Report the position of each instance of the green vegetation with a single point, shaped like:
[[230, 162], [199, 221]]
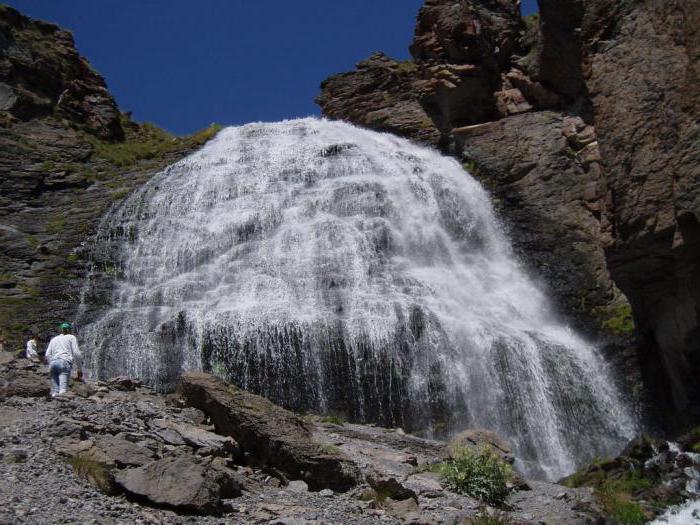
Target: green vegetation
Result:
[[480, 474], [145, 142], [406, 66], [93, 471], [614, 494], [56, 225], [531, 20], [499, 518], [620, 320], [335, 419]]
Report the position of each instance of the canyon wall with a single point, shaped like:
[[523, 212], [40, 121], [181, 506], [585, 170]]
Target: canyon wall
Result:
[[582, 122]]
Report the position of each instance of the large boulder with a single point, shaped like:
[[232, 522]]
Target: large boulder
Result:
[[270, 435], [23, 383], [186, 484]]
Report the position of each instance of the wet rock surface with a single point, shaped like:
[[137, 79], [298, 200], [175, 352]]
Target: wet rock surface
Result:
[[100, 457]]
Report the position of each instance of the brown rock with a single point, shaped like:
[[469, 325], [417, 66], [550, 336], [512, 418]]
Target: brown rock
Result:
[[271, 435]]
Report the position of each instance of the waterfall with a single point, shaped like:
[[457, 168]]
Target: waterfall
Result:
[[335, 269]]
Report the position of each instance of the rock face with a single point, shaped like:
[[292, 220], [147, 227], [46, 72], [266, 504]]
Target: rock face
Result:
[[42, 74], [583, 124], [643, 75], [68, 154], [269, 434], [382, 98]]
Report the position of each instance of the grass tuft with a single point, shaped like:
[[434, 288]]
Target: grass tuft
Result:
[[94, 472]]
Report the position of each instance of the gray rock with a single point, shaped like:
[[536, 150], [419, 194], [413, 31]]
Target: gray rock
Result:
[[182, 483], [298, 486]]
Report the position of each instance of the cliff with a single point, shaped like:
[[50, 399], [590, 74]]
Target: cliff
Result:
[[68, 154], [582, 122]]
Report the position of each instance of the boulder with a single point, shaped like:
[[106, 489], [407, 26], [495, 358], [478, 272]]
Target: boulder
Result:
[[185, 484], [270, 435], [478, 439], [24, 383]]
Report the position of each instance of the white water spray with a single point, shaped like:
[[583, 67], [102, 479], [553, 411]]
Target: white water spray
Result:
[[337, 269]]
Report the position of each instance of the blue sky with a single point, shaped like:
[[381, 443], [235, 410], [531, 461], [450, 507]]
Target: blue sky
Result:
[[228, 61]]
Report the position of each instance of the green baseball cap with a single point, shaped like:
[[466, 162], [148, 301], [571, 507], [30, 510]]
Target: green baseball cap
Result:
[[64, 326]]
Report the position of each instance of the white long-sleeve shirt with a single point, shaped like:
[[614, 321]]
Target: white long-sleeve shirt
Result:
[[31, 352], [64, 346]]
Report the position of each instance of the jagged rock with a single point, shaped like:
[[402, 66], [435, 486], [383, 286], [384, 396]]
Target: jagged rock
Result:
[[183, 483], [379, 95], [176, 433], [41, 71], [271, 435], [477, 439]]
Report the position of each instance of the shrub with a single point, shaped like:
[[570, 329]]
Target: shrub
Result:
[[480, 474]]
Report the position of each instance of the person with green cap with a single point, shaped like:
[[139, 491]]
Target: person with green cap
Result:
[[61, 354]]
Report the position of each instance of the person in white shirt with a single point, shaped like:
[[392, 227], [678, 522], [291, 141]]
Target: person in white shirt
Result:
[[31, 351], [61, 355]]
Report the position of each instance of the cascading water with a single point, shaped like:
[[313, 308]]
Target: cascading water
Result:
[[331, 268]]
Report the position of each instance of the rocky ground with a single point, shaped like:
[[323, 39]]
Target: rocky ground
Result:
[[117, 452]]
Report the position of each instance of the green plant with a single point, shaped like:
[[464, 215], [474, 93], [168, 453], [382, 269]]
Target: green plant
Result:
[[622, 510], [480, 474]]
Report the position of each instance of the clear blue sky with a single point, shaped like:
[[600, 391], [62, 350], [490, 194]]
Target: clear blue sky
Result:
[[185, 64]]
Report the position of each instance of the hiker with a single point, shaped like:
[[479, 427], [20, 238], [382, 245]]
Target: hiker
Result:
[[61, 355], [31, 351]]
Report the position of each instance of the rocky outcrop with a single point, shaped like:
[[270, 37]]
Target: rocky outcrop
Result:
[[582, 122], [270, 435], [42, 74], [68, 155], [379, 95]]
